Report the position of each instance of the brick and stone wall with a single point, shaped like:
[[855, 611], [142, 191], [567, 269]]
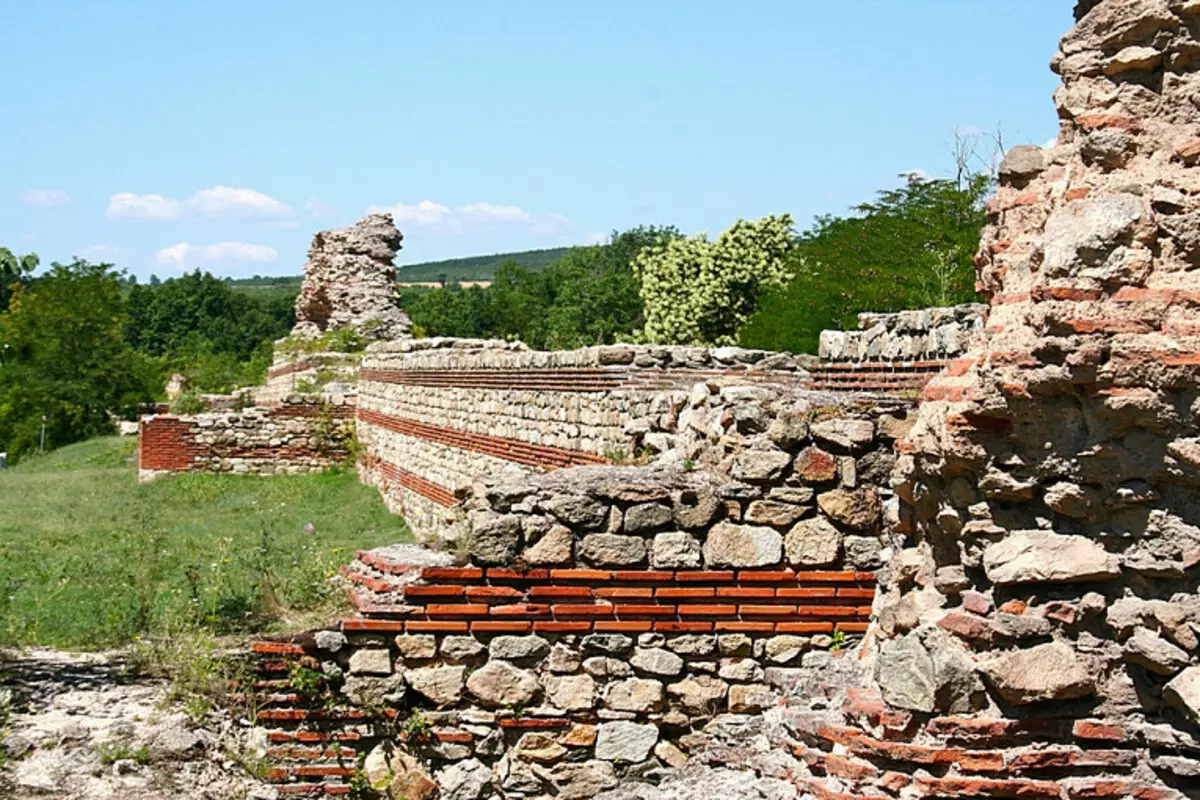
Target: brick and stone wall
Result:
[[436, 416], [920, 335], [284, 439], [599, 617]]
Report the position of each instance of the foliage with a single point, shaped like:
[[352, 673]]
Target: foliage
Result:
[[340, 340], [89, 558], [910, 248], [701, 292], [14, 269], [837, 641], [189, 403], [111, 752], [588, 296], [417, 728], [63, 363]]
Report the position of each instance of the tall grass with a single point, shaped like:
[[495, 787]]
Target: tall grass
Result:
[[90, 559]]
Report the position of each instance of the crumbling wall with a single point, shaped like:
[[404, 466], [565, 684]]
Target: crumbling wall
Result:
[[350, 282], [285, 439], [600, 617], [925, 334], [1037, 633]]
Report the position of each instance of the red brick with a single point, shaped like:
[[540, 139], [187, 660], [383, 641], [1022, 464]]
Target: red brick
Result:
[[683, 627], [984, 787], [707, 610], [1062, 758], [452, 574], [277, 648], [580, 575], [489, 592], [829, 576], [535, 723], [966, 626], [731, 626], [520, 610], [594, 610], [804, 627], [643, 575], [851, 594], [369, 625], [1101, 790], [853, 627], [554, 626], [808, 592], [1063, 612], [504, 574], [625, 591], [435, 627], [1013, 607], [1100, 731], [767, 611], [622, 626], [1094, 121], [560, 591], [976, 603], [765, 576], [828, 611], [435, 591], [759, 592], [645, 609], [501, 626], [703, 575], [706, 591], [849, 769], [1078, 193], [457, 609], [453, 737]]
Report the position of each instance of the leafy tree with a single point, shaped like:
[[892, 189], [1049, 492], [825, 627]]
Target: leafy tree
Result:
[[62, 358], [701, 292], [911, 247], [14, 269]]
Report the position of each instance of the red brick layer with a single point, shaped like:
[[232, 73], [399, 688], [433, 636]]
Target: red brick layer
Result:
[[532, 455]]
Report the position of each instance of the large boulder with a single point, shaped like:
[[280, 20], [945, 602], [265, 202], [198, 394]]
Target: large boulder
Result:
[[1044, 557], [1051, 671]]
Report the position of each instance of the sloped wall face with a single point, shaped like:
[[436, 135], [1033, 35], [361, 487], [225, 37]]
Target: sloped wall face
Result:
[[1047, 587], [437, 416], [598, 618]]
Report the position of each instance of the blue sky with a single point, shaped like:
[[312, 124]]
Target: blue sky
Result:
[[222, 135]]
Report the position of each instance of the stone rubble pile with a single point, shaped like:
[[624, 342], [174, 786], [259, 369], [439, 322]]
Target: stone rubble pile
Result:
[[927, 334]]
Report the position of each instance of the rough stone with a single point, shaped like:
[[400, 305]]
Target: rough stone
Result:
[[625, 741], [675, 551], [814, 465], [905, 674], [465, 780], [570, 692], [813, 543], [460, 648], [1051, 671], [699, 694], [1043, 557], [538, 747], [758, 466], [646, 517], [576, 511], [773, 512], [858, 509], [607, 549], [416, 646], [656, 661], [843, 433], [583, 781], [516, 648], [496, 541], [751, 698], [499, 684], [1155, 653], [371, 661], [693, 645], [1183, 693], [442, 685], [1022, 163], [553, 549], [730, 545], [564, 658], [785, 648], [609, 644], [640, 695]]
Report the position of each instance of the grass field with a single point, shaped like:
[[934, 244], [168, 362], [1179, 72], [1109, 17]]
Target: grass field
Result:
[[90, 559]]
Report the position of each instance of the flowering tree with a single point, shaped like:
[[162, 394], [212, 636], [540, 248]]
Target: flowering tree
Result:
[[701, 292]]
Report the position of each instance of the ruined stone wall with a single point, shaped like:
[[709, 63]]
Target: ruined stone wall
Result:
[[926, 334], [1037, 634], [436, 416], [285, 439], [599, 618]]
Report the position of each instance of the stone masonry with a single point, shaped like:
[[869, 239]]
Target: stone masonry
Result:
[[349, 282]]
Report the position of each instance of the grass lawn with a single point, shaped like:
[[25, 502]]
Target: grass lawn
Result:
[[90, 559]]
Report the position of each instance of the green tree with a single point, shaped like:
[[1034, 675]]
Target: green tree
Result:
[[910, 248], [698, 291], [13, 270], [63, 359]]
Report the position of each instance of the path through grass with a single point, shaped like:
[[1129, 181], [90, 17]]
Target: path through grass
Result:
[[90, 559]]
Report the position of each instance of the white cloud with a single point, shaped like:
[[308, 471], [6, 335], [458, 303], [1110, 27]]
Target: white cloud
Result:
[[474, 217], [45, 198], [597, 238], [219, 202], [184, 255], [225, 202], [143, 206], [916, 173]]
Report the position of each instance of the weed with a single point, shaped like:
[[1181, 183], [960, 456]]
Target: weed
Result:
[[306, 681], [689, 465], [838, 641], [417, 728], [112, 752], [189, 403]]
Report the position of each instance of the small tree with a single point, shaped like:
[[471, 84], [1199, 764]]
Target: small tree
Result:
[[13, 269], [699, 292]]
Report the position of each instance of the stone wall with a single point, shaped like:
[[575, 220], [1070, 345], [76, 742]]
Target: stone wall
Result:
[[926, 334], [285, 439], [1037, 632], [600, 617], [436, 416]]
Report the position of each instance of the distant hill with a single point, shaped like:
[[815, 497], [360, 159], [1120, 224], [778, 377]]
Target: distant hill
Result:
[[472, 268]]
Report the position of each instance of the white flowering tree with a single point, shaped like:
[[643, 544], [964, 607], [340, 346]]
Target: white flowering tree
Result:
[[701, 292]]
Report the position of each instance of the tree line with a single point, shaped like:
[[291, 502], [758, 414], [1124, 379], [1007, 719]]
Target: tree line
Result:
[[82, 344]]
